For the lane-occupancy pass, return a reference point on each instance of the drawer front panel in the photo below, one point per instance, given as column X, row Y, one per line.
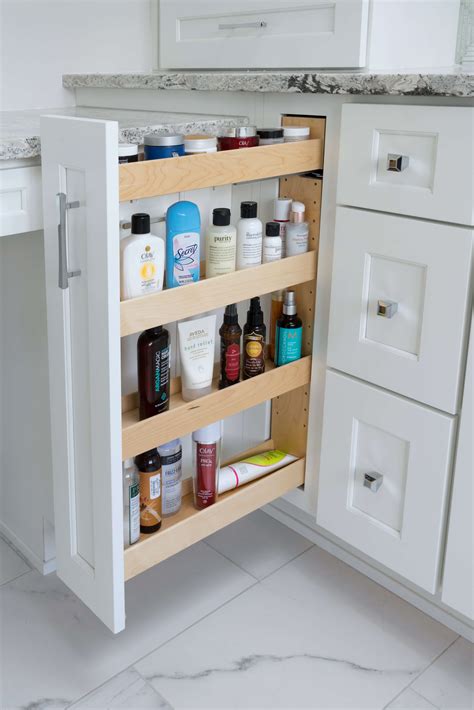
column 414, row 160
column 20, row 200
column 384, row 476
column 399, row 304
column 262, row 34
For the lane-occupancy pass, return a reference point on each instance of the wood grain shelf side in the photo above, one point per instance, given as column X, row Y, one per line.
column 174, row 304
column 151, row 178
column 190, row 525
column 184, row 417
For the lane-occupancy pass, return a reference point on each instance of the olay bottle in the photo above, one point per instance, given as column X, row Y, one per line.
column 206, row 461
column 153, row 371
column 230, row 332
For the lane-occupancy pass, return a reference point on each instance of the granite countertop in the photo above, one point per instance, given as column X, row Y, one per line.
column 20, row 130
column 444, row 82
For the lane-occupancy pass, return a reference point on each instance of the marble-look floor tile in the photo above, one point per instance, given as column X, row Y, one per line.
column 315, row 634
column 11, row 564
column 68, row 652
column 409, row 700
column 258, row 543
column 449, row 682
column 126, row 690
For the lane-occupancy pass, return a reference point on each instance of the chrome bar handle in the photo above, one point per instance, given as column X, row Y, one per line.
column 63, row 274
column 242, row 25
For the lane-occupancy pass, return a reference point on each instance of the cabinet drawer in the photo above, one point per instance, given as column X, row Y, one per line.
column 20, row 200
column 406, row 448
column 262, row 33
column 424, row 269
column 435, row 179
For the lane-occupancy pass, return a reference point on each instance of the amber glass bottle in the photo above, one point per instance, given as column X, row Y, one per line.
column 149, row 470
column 230, row 332
column 153, row 371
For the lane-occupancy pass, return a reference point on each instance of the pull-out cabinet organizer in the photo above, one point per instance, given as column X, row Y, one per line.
column 86, row 322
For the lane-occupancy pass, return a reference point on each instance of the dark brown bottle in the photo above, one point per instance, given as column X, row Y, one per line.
column 255, row 333
column 230, row 332
column 153, row 371
column 149, row 470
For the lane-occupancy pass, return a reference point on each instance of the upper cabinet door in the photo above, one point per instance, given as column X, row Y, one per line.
column 262, row 34
column 81, row 218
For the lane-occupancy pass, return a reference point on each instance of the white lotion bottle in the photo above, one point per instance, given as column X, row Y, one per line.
column 297, row 231
column 221, row 244
column 142, row 260
column 249, row 237
column 271, row 243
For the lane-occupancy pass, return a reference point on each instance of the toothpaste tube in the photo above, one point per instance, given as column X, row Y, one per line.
column 254, row 467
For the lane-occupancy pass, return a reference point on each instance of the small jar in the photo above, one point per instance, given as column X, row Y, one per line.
column 206, row 460
column 238, row 137
column 171, row 455
column 157, row 146
column 127, row 153
column 269, row 136
column 200, row 143
column 296, row 133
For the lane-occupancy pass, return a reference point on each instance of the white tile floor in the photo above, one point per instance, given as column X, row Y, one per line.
column 257, row 618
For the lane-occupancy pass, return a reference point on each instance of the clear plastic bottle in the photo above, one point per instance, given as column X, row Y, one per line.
column 297, row 231
column 171, row 455
column 131, row 503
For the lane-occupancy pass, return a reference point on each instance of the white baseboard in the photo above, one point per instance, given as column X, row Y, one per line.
column 26, row 552
column 463, row 628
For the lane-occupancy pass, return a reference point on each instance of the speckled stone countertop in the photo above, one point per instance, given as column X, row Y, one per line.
column 447, row 82
column 20, row 130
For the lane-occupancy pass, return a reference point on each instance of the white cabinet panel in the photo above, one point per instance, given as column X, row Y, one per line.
column 436, row 178
column 406, row 449
column 424, row 270
column 20, row 200
column 80, row 161
column 262, row 33
column 458, row 579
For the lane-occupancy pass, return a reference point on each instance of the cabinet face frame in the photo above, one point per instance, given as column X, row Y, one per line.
column 89, row 148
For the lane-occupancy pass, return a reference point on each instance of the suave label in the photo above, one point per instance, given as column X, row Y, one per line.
column 186, row 258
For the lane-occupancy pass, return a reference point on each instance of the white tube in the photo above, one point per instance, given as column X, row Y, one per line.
column 249, row 469
column 196, row 351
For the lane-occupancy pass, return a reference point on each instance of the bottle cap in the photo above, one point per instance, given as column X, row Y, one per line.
column 231, row 317
column 272, row 229
column 208, row 434
column 255, row 313
column 297, row 212
column 163, row 139
column 248, row 210
column 200, row 143
column 239, row 132
column 140, row 223
column 296, row 131
column 129, row 463
column 268, row 133
column 184, row 216
column 282, row 209
column 127, row 149
column 289, row 304
column 221, row 216
column 170, row 446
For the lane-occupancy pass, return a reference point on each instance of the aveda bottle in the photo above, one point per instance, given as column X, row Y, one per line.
column 221, row 244
column 249, row 237
column 254, row 341
column 297, row 231
column 230, row 332
column 289, row 332
column 142, row 260
column 153, row 371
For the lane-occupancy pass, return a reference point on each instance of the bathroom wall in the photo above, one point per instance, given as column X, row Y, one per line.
column 40, row 40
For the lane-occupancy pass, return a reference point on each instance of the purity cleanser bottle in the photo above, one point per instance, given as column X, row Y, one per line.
column 183, row 228
column 142, row 260
column 221, row 244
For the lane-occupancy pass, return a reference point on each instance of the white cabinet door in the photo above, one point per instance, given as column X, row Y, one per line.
column 212, row 34
column 422, row 271
column 79, row 159
column 20, row 200
column 384, row 474
column 458, row 580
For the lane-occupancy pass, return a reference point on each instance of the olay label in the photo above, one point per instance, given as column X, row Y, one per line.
column 206, row 465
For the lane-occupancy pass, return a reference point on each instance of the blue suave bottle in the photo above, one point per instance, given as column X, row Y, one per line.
column 183, row 228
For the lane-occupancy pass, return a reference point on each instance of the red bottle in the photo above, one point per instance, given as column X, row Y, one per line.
column 206, row 459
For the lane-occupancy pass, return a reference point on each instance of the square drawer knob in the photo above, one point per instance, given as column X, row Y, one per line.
column 386, row 309
column 373, row 481
column 396, row 163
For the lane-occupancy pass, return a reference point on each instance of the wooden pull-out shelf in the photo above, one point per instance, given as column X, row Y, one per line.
column 190, row 525
column 184, row 417
column 174, row 304
column 150, row 178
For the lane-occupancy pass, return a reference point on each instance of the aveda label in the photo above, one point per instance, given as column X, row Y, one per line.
column 186, row 258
